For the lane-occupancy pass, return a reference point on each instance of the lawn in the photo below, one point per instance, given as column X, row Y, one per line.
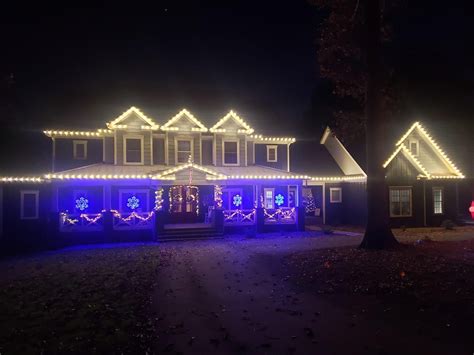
column 426, row 285
column 83, row 300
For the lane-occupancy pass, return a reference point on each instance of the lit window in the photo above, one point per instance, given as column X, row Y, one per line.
column 29, row 204
column 438, row 200
column 231, row 153
column 230, row 201
column 133, row 200
column 80, row 150
column 184, row 150
column 335, row 195
column 272, row 153
column 268, row 198
column 414, row 147
column 400, row 202
column 134, row 150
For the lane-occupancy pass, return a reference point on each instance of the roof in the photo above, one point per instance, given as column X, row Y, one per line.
column 163, row 172
column 312, row 158
column 433, row 162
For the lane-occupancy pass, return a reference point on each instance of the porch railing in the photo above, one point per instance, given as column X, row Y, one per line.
column 91, row 222
column 282, row 215
column 239, row 217
column 133, row 220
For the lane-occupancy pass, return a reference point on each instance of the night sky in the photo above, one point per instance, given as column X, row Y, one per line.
column 78, row 67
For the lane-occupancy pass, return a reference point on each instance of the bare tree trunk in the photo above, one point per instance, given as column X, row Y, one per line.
column 378, row 234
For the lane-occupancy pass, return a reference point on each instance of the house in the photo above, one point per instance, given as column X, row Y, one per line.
column 137, row 179
column 424, row 184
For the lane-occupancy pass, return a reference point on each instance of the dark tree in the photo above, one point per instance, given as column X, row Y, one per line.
column 350, row 57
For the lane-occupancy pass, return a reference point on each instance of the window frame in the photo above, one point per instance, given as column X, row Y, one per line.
column 272, row 189
column 269, row 147
column 235, row 191
column 417, row 146
column 224, row 141
column 22, row 204
column 191, row 142
column 331, row 198
column 409, row 188
column 133, row 192
column 441, row 189
column 142, row 148
column 75, row 143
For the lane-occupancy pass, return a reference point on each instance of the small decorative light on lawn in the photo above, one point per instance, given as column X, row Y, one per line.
column 82, row 203
column 471, row 209
column 133, row 202
column 279, row 199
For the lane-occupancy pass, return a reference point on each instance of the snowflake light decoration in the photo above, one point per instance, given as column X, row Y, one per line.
column 133, row 202
column 279, row 199
column 237, row 200
column 82, row 203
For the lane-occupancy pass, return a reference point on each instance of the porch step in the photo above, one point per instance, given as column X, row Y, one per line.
column 189, row 234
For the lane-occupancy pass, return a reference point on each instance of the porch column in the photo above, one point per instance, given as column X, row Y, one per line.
column 107, row 191
column 159, row 210
column 259, row 215
column 300, row 212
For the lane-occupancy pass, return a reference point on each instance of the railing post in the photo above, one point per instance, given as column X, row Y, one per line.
column 160, row 218
column 300, row 222
column 108, row 222
column 260, row 219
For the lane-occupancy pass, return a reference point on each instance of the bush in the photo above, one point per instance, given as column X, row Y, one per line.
column 448, row 224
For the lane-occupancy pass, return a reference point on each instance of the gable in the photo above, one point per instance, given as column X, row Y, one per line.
column 232, row 123
column 401, row 167
column 184, row 121
column 429, row 155
column 184, row 170
column 133, row 118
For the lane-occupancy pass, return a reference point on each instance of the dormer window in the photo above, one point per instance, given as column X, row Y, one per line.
column 133, row 150
column 272, row 153
column 230, row 154
column 184, row 149
column 80, row 150
column 414, row 147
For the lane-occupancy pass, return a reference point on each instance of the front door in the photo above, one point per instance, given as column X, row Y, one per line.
column 184, row 204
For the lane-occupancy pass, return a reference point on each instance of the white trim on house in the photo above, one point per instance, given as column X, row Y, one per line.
column 22, row 201
column 331, row 196
column 151, row 149
column 275, row 147
column 142, row 148
column 409, row 188
column 75, row 143
column 189, row 139
column 223, row 151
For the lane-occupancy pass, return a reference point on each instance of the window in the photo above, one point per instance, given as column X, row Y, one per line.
column 232, row 199
column 80, row 150
column 183, row 151
column 133, row 200
column 268, row 201
column 437, row 200
column 400, row 202
column 335, row 195
column 29, row 204
column 231, row 153
column 133, row 149
column 413, row 147
column 272, row 153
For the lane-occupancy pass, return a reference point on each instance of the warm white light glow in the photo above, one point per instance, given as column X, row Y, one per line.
column 184, row 113
column 115, row 123
column 237, row 118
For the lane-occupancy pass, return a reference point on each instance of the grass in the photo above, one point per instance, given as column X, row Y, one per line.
column 79, row 301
